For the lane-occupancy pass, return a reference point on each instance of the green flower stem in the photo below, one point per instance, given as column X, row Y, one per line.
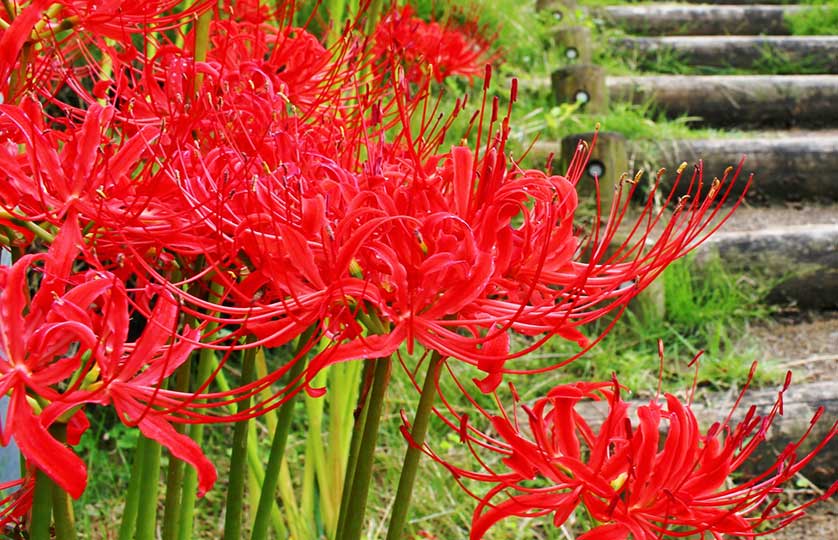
column 254, row 460
column 202, row 28
column 41, row 507
column 39, row 231
column 373, row 13
column 283, row 425
column 238, row 460
column 366, row 454
column 354, row 447
column 255, row 468
column 398, row 519
column 62, row 505
column 149, row 488
column 174, row 478
column 62, row 513
column 189, row 491
column 132, row 499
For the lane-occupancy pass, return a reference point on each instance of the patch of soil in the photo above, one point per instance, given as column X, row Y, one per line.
column 806, row 343
column 791, row 214
column 820, row 524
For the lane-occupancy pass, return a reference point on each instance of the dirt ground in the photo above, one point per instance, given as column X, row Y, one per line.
column 821, row 523
column 805, row 343
column 808, row 345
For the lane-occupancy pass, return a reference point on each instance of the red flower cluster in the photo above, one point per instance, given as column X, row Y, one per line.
column 658, row 475
column 266, row 169
column 460, row 46
column 69, row 345
column 253, row 182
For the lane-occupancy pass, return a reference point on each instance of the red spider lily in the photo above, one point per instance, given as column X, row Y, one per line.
column 130, row 375
column 451, row 251
column 464, row 251
column 37, row 355
column 17, row 500
column 113, row 18
column 67, row 346
column 633, row 480
column 429, row 48
column 49, row 173
column 39, row 23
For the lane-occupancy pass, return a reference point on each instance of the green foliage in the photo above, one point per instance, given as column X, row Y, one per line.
column 820, row 19
column 707, row 309
column 107, row 447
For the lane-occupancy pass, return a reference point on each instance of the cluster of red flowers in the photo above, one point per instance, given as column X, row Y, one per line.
column 252, row 182
column 659, row 477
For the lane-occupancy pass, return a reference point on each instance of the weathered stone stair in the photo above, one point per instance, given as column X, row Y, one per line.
column 786, row 233
column 680, row 19
column 791, row 234
column 812, row 53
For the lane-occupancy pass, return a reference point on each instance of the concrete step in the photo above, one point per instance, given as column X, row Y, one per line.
column 796, row 250
column 680, row 19
column 812, row 54
column 737, row 100
column 789, row 167
column 740, row 2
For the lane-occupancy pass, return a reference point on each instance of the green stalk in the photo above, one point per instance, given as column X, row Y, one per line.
column 373, row 13
column 41, row 507
column 257, row 471
column 190, row 478
column 238, row 460
column 132, row 499
column 366, row 455
column 202, row 28
column 62, row 505
column 343, row 383
column 189, row 491
column 149, row 487
column 283, row 425
column 354, row 447
column 174, row 479
column 398, row 519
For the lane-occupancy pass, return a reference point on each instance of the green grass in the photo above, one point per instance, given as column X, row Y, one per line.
column 820, row 19
column 667, row 61
column 707, row 309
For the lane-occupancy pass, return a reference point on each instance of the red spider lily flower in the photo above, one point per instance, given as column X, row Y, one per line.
column 462, row 252
column 13, row 38
column 452, row 251
column 16, row 501
column 429, row 48
column 68, row 346
column 49, row 173
column 117, row 18
column 37, row 355
column 130, row 375
column 631, row 478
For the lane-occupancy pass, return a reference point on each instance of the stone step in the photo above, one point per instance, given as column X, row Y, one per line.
column 742, row 2
column 792, row 249
column 662, row 19
column 814, row 54
column 787, row 166
column 737, row 100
